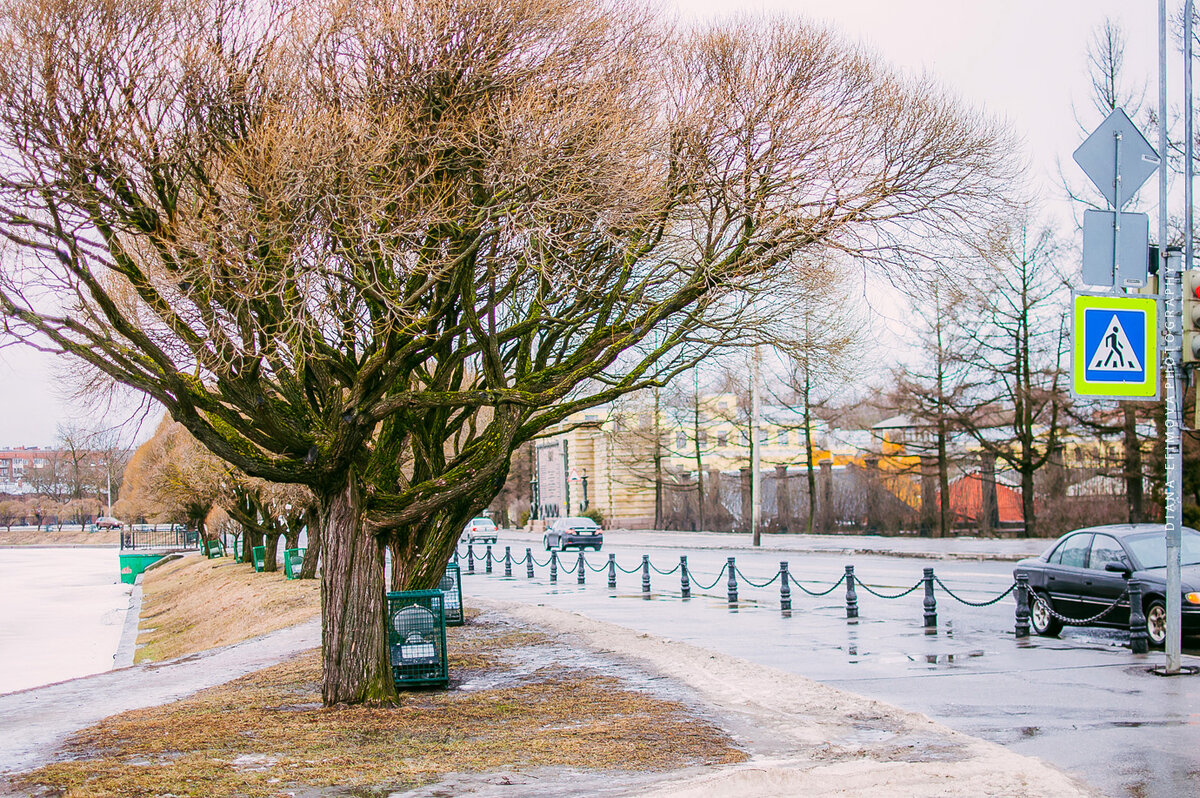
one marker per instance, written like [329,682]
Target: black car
[1085,571]
[573,531]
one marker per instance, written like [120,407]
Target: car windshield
[1150,548]
[483,522]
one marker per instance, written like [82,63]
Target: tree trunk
[355,657]
[312,553]
[808,458]
[271,553]
[699,466]
[945,519]
[1132,465]
[249,540]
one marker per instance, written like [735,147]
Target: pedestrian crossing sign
[1114,352]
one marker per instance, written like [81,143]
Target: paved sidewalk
[33,723]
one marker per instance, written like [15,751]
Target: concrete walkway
[35,722]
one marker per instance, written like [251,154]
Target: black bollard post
[487,560]
[529,563]
[612,572]
[470,559]
[1022,628]
[785,590]
[582,568]
[508,561]
[685,581]
[646,576]
[731,587]
[554,568]
[930,603]
[1139,639]
[851,596]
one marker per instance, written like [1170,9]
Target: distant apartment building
[16,463]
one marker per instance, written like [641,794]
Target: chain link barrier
[836,585]
[1063,619]
[962,600]
[700,585]
[752,583]
[1035,599]
[865,587]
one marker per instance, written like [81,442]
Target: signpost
[1114,349]
[1115,338]
[1117,158]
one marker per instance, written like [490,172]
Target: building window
[680,439]
[722,439]
[783,437]
[702,438]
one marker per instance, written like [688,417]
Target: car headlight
[1192,598]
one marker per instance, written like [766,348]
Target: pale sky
[1021,60]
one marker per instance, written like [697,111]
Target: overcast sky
[1021,60]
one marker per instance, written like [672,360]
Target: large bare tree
[371,247]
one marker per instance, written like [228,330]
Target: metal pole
[755,453]
[1117,208]
[1175,374]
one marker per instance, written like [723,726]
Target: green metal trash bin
[259,555]
[417,638]
[214,548]
[451,587]
[134,564]
[292,560]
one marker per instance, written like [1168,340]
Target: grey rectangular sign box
[1098,249]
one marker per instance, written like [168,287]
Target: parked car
[107,522]
[582,533]
[1086,570]
[480,530]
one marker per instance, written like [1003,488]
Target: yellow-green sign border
[1149,389]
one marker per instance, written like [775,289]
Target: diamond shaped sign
[1098,157]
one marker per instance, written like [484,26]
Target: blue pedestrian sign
[1114,352]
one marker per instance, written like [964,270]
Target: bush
[593,514]
[1191,516]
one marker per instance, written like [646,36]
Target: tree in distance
[371,248]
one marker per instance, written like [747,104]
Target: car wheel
[1156,622]
[546,542]
[1040,618]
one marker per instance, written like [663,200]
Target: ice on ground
[63,613]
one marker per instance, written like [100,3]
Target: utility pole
[755,452]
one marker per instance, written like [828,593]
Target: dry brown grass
[194,604]
[267,735]
[70,536]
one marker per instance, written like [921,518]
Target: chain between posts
[864,586]
[767,583]
[961,600]
[1063,619]
[820,593]
[700,585]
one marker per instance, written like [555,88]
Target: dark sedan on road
[1087,570]
[573,531]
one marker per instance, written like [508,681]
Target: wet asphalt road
[1083,701]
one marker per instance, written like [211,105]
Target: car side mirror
[1118,568]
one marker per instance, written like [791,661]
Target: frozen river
[63,610]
